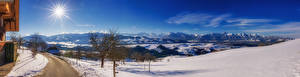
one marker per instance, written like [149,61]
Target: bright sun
[58,11]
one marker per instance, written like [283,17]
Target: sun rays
[59,11]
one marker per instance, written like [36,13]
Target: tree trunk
[123,62]
[102,62]
[144,66]
[114,68]
[149,65]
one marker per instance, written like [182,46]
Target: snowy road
[58,68]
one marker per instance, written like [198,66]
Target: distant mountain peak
[171,37]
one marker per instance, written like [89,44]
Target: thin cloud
[190,18]
[86,25]
[286,27]
[217,21]
[248,22]
[209,20]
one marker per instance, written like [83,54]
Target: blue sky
[160,16]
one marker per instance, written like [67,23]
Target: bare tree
[137,56]
[114,53]
[43,45]
[35,44]
[78,50]
[99,45]
[149,58]
[115,50]
[69,54]
[13,36]
[20,41]
[124,54]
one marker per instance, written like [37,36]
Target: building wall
[2,57]
[8,52]
[2,34]
[3,37]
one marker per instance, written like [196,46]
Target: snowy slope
[27,66]
[279,60]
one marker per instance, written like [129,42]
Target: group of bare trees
[16,37]
[35,43]
[139,57]
[108,47]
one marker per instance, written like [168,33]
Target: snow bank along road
[279,60]
[58,68]
[26,65]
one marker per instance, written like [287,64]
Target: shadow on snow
[161,73]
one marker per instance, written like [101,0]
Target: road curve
[57,68]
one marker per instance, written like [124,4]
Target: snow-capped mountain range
[164,38]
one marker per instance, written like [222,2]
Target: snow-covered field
[26,65]
[279,60]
